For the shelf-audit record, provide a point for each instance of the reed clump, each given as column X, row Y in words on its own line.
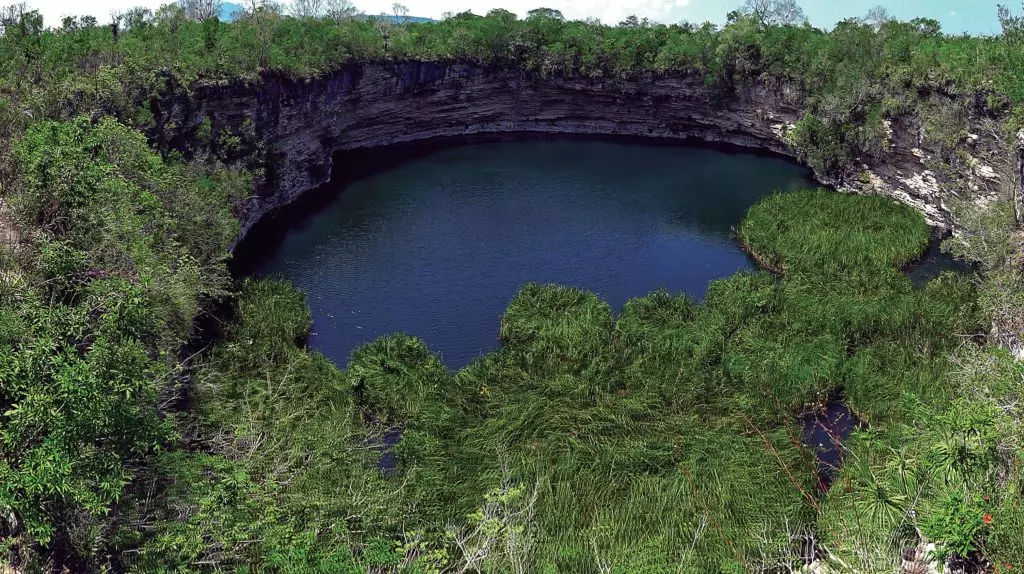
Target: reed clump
column 816, row 230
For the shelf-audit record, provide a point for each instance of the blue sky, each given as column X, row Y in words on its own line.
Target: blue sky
column 957, row 16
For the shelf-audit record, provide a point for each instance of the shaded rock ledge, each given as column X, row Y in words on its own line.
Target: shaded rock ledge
column 293, row 127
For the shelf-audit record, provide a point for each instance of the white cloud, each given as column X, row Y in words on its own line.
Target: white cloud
column 608, row 11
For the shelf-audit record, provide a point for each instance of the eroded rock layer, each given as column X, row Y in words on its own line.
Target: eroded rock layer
column 295, row 126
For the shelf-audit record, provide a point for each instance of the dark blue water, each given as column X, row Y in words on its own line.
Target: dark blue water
column 437, row 246
column 934, row 262
column 824, row 431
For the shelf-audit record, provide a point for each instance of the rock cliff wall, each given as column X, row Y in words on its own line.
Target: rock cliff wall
column 295, row 126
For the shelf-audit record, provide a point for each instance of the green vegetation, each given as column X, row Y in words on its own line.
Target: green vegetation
column 661, row 440
column 120, row 265
column 800, row 231
column 852, row 79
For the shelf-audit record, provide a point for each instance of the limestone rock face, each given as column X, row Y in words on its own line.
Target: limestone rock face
column 297, row 125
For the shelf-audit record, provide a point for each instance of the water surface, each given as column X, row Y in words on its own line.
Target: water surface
column 437, row 246
column 934, row 261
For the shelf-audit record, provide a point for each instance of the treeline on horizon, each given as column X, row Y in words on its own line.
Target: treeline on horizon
column 768, row 37
column 851, row 78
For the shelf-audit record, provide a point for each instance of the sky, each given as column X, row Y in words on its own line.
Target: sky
column 956, row 16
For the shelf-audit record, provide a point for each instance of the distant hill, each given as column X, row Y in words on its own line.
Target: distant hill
column 229, row 9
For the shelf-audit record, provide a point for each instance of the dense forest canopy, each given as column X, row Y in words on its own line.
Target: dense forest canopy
column 661, row 440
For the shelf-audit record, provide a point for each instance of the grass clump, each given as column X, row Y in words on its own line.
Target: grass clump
column 818, row 231
column 395, row 376
column 557, row 328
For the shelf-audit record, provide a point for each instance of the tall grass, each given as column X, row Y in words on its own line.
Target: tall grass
column 820, row 231
column 662, row 441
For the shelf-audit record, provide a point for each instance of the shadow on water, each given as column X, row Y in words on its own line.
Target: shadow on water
column 265, row 239
column 388, row 461
column 934, row 262
column 824, row 431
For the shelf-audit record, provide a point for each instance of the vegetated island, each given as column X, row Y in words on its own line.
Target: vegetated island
column 141, row 431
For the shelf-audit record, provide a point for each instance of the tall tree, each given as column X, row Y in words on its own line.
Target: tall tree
column 263, row 16
column 545, row 13
column 200, row 10
column 116, row 17
column 340, row 10
column 877, row 17
column 401, row 13
column 137, row 18
column 383, row 25
column 308, row 8
column 775, row 12
column 1013, row 25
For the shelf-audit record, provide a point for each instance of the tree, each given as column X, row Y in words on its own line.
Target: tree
column 17, row 21
column 199, row 10
column 927, row 26
column 877, row 17
column 383, row 26
column 500, row 27
column 340, row 10
column 211, row 32
column 775, row 12
column 1013, row 26
column 545, row 13
column 263, row 16
column 308, row 8
column 136, row 18
column 115, row 25
column 170, row 17
column 10, row 16
column 401, row 13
